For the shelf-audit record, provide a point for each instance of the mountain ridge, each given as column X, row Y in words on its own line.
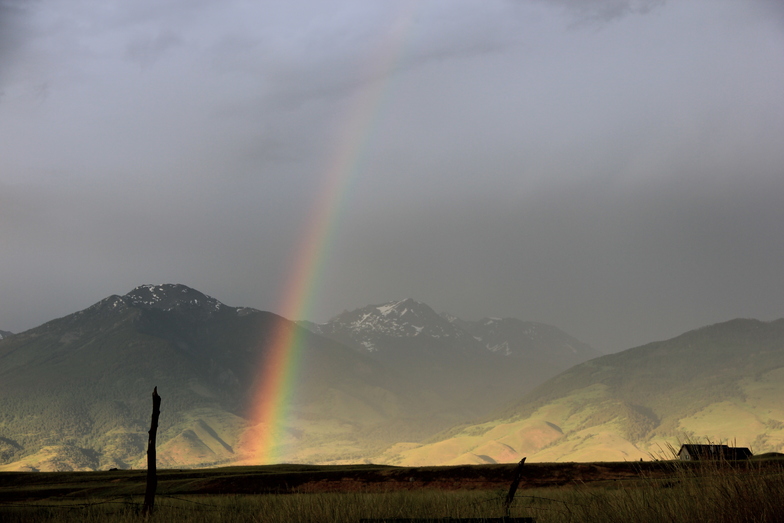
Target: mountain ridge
column 81, row 383
column 719, row 382
column 74, row 391
column 432, row 390
column 440, row 356
column 409, row 318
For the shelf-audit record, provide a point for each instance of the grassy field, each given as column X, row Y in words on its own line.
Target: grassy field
column 575, row 492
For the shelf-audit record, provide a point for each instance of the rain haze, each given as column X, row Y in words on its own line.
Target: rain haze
column 614, row 168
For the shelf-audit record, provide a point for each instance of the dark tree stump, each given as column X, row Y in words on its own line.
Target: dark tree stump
column 152, row 477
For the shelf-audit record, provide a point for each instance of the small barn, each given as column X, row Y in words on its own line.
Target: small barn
column 691, row 452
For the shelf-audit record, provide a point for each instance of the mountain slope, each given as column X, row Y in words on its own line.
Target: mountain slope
column 528, row 340
column 373, row 326
column 722, row 382
column 461, row 361
column 75, row 392
column 80, row 386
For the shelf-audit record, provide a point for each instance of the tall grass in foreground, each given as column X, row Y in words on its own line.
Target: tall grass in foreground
column 693, row 492
column 288, row 508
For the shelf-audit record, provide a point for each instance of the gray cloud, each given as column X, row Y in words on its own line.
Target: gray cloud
column 146, row 50
column 609, row 167
column 12, row 31
column 606, row 10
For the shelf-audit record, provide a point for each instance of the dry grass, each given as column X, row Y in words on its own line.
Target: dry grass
column 702, row 492
column 689, row 492
column 288, row 508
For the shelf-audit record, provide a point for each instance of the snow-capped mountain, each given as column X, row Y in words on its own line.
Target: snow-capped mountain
column 370, row 327
column 376, row 327
column 475, row 364
column 172, row 297
column 381, row 374
column 167, row 297
column 88, row 376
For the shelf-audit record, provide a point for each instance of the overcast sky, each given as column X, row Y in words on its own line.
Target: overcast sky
column 611, row 167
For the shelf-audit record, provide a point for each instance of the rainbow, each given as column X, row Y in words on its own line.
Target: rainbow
column 279, row 369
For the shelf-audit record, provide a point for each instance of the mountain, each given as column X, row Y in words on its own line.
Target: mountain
column 720, row 383
column 375, row 326
column 5, row 334
column 536, row 342
column 75, row 392
column 476, row 366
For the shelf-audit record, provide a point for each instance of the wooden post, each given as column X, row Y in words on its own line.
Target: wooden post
column 518, row 475
column 152, row 478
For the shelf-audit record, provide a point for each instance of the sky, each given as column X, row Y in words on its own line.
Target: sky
column 611, row 167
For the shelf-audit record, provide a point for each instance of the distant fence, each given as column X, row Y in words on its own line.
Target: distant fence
column 518, row 475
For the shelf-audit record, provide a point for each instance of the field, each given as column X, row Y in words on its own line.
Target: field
column 564, row 492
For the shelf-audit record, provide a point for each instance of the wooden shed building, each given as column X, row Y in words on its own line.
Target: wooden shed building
column 692, row 452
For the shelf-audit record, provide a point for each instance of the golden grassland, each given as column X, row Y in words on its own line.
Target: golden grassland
column 590, row 424
column 578, row 492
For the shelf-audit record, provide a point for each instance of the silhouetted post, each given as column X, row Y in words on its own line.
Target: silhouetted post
column 518, row 475
column 152, row 478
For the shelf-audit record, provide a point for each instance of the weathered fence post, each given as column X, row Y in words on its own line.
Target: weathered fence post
column 513, row 488
column 152, row 477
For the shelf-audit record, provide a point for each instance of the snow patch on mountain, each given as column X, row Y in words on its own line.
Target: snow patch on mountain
column 502, row 348
column 181, row 298
column 170, row 296
column 371, row 329
column 397, row 319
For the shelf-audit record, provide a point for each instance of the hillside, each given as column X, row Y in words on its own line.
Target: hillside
column 374, row 327
column 480, row 366
column 75, row 392
column 722, row 382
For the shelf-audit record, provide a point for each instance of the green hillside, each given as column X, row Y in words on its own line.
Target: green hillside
column 722, row 382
